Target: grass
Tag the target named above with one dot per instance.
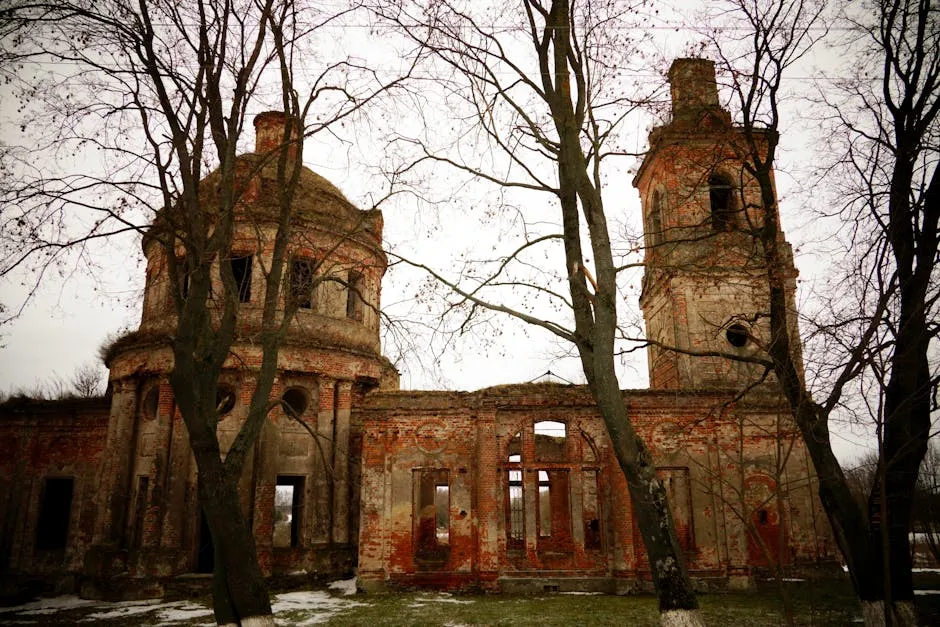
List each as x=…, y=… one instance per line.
x=830, y=603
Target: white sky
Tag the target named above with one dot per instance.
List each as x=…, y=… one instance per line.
x=74, y=313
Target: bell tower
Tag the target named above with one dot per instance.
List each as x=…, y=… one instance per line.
x=705, y=286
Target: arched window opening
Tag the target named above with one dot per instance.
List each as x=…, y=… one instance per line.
x=550, y=440
x=515, y=448
x=721, y=197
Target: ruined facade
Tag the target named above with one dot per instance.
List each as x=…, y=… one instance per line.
x=507, y=488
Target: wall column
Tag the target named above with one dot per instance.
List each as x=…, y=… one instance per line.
x=488, y=481
x=158, y=471
x=323, y=462
x=341, y=463
x=114, y=489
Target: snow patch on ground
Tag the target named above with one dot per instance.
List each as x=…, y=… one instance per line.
x=443, y=597
x=921, y=593
x=295, y=608
x=345, y=586
x=793, y=579
x=48, y=606
x=322, y=604
x=124, y=609
x=583, y=594
x=925, y=570
x=183, y=612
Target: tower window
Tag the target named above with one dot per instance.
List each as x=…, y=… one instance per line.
x=301, y=283
x=656, y=219
x=737, y=335
x=354, y=300
x=241, y=268
x=721, y=197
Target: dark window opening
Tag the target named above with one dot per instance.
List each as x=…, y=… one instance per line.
x=432, y=515
x=301, y=283
x=354, y=300
x=288, y=497
x=55, y=509
x=241, y=268
x=224, y=399
x=295, y=401
x=721, y=197
x=737, y=335
x=762, y=516
x=205, y=555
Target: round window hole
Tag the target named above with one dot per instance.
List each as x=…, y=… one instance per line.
x=737, y=335
x=224, y=399
x=149, y=404
x=295, y=401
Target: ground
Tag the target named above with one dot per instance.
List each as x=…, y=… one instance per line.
x=338, y=604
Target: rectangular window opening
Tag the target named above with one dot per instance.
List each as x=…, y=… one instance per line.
x=592, y=525
x=354, y=296
x=288, y=500
x=442, y=508
x=241, y=268
x=516, y=527
x=55, y=510
x=545, y=505
x=301, y=283
x=432, y=514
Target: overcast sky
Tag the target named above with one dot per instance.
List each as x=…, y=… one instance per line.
x=76, y=311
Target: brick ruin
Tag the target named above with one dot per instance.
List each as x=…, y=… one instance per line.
x=507, y=488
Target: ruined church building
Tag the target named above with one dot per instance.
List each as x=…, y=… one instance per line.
x=510, y=488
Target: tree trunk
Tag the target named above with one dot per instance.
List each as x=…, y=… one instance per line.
x=240, y=596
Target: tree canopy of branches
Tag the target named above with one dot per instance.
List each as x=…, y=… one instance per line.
x=140, y=101
x=538, y=83
x=885, y=117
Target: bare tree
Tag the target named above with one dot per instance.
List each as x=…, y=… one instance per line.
x=88, y=381
x=890, y=129
x=537, y=81
x=161, y=91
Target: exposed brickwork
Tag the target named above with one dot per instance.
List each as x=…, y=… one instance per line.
x=444, y=489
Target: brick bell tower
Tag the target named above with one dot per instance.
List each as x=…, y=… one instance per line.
x=705, y=286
